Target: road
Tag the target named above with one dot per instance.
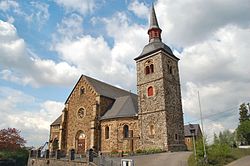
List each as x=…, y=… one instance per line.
x=160, y=159
x=244, y=161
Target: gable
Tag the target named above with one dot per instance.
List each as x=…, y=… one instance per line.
x=100, y=88
x=76, y=88
x=57, y=121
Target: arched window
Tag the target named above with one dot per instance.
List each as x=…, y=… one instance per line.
x=152, y=130
x=151, y=68
x=176, y=136
x=82, y=90
x=150, y=91
x=106, y=132
x=147, y=70
x=170, y=70
x=125, y=131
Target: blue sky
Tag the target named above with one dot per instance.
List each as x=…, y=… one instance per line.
x=46, y=45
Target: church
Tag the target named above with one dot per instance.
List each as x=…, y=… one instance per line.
x=109, y=119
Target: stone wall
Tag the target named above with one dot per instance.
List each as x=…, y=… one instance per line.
x=160, y=115
x=116, y=141
x=151, y=108
x=54, y=162
x=174, y=113
x=75, y=123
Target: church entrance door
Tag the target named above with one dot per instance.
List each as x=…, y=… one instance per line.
x=80, y=142
x=81, y=146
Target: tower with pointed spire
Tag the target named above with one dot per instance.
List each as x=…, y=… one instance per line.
x=160, y=115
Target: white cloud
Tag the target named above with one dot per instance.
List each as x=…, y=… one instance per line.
x=22, y=111
x=80, y=6
x=70, y=27
x=139, y=8
x=93, y=55
x=219, y=69
x=8, y=4
x=20, y=66
x=39, y=13
x=193, y=21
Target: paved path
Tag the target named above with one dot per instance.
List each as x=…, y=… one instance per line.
x=244, y=161
x=160, y=159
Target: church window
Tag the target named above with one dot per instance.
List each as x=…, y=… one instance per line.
x=151, y=68
x=176, y=136
x=170, y=70
x=81, y=113
x=82, y=90
x=150, y=91
x=152, y=130
x=106, y=132
x=147, y=70
x=125, y=131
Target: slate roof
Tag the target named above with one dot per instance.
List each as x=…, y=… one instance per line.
x=57, y=121
x=153, y=20
x=125, y=106
x=125, y=102
x=153, y=47
x=189, y=127
x=105, y=89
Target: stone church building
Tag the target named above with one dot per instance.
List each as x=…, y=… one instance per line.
x=109, y=119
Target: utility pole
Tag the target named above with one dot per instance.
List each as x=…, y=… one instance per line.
x=203, y=133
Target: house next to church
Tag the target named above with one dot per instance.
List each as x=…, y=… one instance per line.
x=106, y=118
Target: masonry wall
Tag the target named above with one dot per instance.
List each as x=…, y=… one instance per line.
x=116, y=141
x=161, y=112
x=54, y=162
x=174, y=113
x=151, y=108
x=87, y=101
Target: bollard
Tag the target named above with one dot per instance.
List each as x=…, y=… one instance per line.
x=38, y=155
x=47, y=154
x=91, y=155
x=58, y=154
x=72, y=154
x=31, y=153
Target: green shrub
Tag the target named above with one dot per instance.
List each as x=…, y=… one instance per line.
x=149, y=151
x=114, y=151
x=20, y=155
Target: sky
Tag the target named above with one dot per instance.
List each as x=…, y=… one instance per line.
x=45, y=46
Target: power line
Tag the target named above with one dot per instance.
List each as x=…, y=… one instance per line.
x=208, y=116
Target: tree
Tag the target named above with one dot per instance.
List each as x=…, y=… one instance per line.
x=10, y=139
x=227, y=137
x=243, y=130
x=244, y=112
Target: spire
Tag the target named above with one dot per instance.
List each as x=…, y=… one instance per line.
x=154, y=30
x=153, y=19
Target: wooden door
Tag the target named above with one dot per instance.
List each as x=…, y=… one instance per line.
x=81, y=146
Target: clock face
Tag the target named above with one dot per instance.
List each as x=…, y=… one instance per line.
x=81, y=113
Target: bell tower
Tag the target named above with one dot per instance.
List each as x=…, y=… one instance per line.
x=159, y=96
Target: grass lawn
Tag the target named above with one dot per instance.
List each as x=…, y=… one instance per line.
x=220, y=161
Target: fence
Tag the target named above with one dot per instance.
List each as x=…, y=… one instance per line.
x=91, y=157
